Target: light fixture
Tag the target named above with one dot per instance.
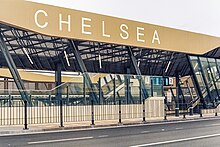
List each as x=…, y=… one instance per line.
x=67, y=60
x=26, y=53
x=168, y=65
x=100, y=61
x=138, y=63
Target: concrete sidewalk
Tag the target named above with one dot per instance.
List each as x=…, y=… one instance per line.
x=39, y=128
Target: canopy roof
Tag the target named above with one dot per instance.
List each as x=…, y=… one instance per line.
x=73, y=24
x=35, y=46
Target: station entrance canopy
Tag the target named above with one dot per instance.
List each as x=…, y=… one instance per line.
x=39, y=36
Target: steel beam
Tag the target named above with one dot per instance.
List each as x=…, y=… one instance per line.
x=215, y=85
x=13, y=70
x=128, y=95
x=83, y=69
x=205, y=80
x=195, y=82
x=138, y=72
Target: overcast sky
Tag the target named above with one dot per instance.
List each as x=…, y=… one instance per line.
x=202, y=16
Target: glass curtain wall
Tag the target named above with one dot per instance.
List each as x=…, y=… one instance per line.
x=207, y=75
x=102, y=89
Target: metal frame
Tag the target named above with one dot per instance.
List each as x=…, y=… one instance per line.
x=13, y=70
x=84, y=71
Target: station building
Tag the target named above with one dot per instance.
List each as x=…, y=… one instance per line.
x=51, y=53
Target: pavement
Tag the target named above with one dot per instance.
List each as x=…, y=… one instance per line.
x=191, y=132
x=36, y=128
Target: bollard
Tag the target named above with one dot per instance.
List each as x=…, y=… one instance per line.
x=119, y=121
x=144, y=119
x=216, y=113
x=191, y=111
x=177, y=113
x=92, y=110
x=25, y=116
x=200, y=112
x=165, y=110
x=61, y=113
x=184, y=116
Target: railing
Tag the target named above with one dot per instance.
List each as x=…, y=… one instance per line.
x=59, y=111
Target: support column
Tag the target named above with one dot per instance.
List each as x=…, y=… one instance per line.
x=83, y=69
x=58, y=81
x=191, y=95
x=5, y=83
x=13, y=70
x=177, y=95
x=152, y=87
x=84, y=90
x=100, y=91
x=128, y=87
x=215, y=85
x=205, y=80
x=138, y=72
x=114, y=91
x=195, y=81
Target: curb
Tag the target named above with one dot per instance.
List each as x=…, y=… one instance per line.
x=78, y=128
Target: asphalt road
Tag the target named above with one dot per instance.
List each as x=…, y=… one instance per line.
x=188, y=133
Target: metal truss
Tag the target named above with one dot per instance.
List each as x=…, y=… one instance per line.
x=30, y=50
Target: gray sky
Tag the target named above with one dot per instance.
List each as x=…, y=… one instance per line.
x=202, y=16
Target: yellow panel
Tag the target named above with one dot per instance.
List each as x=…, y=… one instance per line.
x=48, y=20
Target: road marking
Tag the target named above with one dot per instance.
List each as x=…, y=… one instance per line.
x=60, y=140
x=179, y=128
x=212, y=125
x=102, y=136
x=145, y=132
x=176, y=140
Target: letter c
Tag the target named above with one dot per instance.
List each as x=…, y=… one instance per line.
x=36, y=19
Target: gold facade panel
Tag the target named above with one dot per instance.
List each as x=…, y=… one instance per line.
x=74, y=24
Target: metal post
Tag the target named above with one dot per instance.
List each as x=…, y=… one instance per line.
x=165, y=108
x=58, y=82
x=152, y=87
x=191, y=110
x=144, y=119
x=177, y=95
x=140, y=91
x=114, y=91
x=67, y=95
x=200, y=110
x=100, y=91
x=49, y=99
x=25, y=116
x=126, y=89
x=184, y=115
x=92, y=110
x=119, y=121
x=61, y=113
x=84, y=90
